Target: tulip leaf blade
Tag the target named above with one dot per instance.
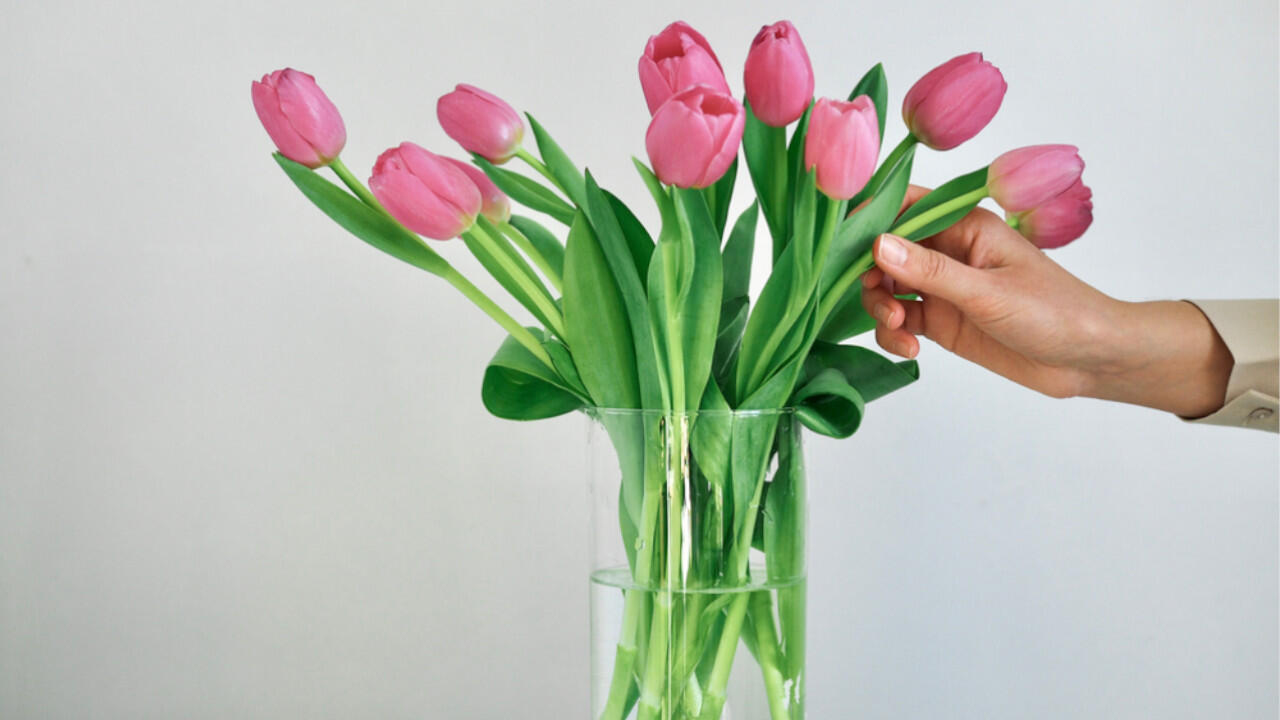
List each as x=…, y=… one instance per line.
x=828, y=405
x=373, y=227
x=875, y=85
x=638, y=239
x=765, y=148
x=622, y=267
x=700, y=299
x=526, y=191
x=490, y=263
x=945, y=192
x=518, y=386
x=559, y=164
x=543, y=240
x=838, y=380
x=719, y=194
x=848, y=318
x=596, y=325
x=739, y=251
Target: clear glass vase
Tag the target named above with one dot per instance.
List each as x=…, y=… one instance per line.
x=698, y=565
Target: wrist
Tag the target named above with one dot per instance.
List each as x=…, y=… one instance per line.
x=1164, y=355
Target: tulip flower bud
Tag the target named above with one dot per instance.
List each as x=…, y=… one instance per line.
x=843, y=142
x=675, y=59
x=778, y=76
x=1059, y=221
x=694, y=137
x=494, y=203
x=302, y=122
x=424, y=192
x=1031, y=176
x=481, y=123
x=953, y=101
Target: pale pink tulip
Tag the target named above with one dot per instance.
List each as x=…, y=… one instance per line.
x=694, y=137
x=425, y=192
x=481, y=122
x=302, y=122
x=1031, y=176
x=675, y=59
x=843, y=142
x=778, y=75
x=953, y=101
x=495, y=204
x=1059, y=221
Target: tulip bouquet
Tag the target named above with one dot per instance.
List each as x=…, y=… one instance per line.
x=701, y=389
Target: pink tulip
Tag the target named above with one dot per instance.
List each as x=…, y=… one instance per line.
x=953, y=101
x=694, y=136
x=1059, y=221
x=494, y=203
x=425, y=192
x=677, y=58
x=302, y=122
x=842, y=143
x=481, y=123
x=1031, y=176
x=778, y=75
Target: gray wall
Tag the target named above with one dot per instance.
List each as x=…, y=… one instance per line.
x=244, y=470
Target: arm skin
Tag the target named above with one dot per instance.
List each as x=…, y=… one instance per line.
x=991, y=297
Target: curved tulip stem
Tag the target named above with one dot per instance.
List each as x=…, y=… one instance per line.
x=345, y=175
x=508, y=323
x=538, y=165
x=523, y=277
x=928, y=216
x=882, y=172
x=528, y=249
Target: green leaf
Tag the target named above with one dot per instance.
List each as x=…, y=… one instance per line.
x=517, y=386
x=710, y=444
x=848, y=318
x=738, y=252
x=875, y=86
x=527, y=192
x=546, y=243
x=827, y=404
x=596, y=326
x=733, y=320
x=371, y=226
x=766, y=151
x=561, y=167
x=784, y=543
x=565, y=366
x=859, y=231
x=870, y=373
x=700, y=297
x=947, y=191
x=638, y=239
x=622, y=267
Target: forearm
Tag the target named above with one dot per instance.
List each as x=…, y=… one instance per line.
x=1164, y=355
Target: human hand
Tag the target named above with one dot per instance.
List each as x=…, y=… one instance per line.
x=991, y=297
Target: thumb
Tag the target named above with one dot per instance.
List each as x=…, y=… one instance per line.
x=929, y=271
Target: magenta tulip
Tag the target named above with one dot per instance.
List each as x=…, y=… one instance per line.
x=1032, y=176
x=481, y=122
x=302, y=122
x=425, y=192
x=778, y=75
x=694, y=137
x=495, y=204
x=953, y=101
x=1059, y=221
x=675, y=59
x=842, y=143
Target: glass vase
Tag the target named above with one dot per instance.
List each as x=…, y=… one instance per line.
x=698, y=565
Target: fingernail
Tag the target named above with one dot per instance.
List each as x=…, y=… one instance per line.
x=892, y=250
x=882, y=312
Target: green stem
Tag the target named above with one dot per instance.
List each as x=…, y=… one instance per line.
x=714, y=695
x=508, y=323
x=909, y=226
x=532, y=252
x=542, y=169
x=767, y=654
x=357, y=187
x=537, y=294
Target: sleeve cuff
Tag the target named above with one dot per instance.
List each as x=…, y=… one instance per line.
x=1251, y=331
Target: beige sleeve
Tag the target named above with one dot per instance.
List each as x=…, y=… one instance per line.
x=1251, y=331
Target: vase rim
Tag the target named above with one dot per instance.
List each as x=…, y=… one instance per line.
x=655, y=412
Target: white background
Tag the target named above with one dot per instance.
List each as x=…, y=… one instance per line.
x=245, y=472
